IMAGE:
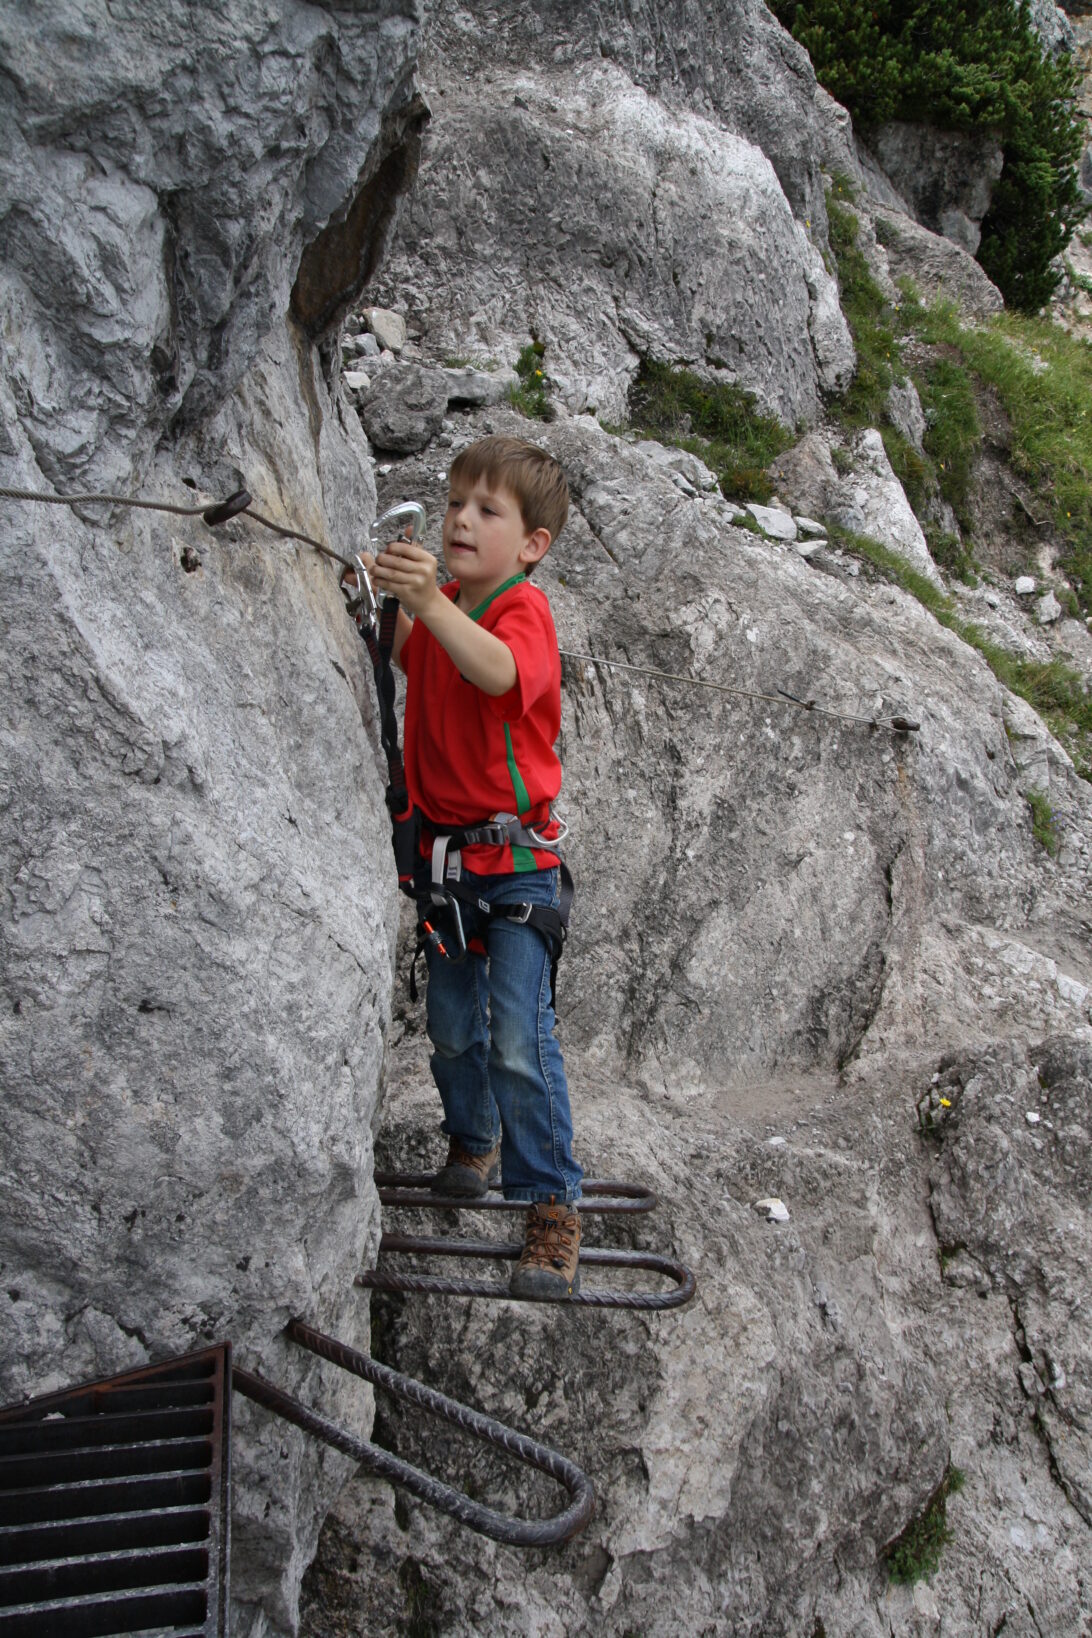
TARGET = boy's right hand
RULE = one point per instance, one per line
(407, 571)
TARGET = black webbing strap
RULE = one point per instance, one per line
(404, 826)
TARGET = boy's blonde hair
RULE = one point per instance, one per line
(527, 472)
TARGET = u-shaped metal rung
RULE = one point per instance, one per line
(514, 1532)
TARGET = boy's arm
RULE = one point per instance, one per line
(409, 572)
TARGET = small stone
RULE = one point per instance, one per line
(389, 329)
(1048, 610)
(773, 522)
(808, 526)
(773, 1209)
(1024, 585)
(356, 380)
(1033, 1117)
(369, 347)
(776, 1142)
(992, 600)
(807, 549)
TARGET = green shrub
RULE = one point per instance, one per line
(712, 419)
(531, 396)
(916, 1553)
(965, 65)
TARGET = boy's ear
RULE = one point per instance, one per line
(535, 547)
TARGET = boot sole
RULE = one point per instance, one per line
(543, 1287)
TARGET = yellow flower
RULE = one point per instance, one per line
(945, 1103)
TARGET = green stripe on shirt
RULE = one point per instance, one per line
(522, 857)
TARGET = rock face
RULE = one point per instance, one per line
(568, 200)
(195, 951)
(946, 177)
(816, 918)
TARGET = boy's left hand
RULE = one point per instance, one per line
(407, 572)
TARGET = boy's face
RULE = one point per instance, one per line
(486, 541)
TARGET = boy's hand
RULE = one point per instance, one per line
(407, 572)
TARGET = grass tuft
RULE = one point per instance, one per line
(1042, 821)
(717, 421)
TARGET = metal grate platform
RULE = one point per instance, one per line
(114, 1505)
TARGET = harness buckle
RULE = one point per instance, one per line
(555, 841)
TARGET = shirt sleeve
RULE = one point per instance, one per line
(526, 626)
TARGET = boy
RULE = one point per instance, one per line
(483, 710)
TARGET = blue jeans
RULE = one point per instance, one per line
(496, 1063)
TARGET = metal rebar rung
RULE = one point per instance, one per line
(597, 1196)
(590, 1257)
(499, 1526)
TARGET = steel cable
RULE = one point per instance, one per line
(214, 513)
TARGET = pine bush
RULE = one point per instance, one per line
(965, 65)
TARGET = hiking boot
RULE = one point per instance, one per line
(466, 1174)
(549, 1267)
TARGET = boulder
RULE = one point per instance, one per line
(947, 178)
(612, 227)
(468, 388)
(867, 499)
(389, 329)
(403, 409)
(937, 266)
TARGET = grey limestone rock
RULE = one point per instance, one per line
(389, 329)
(867, 499)
(905, 412)
(947, 178)
(404, 407)
(195, 952)
(1010, 1192)
(773, 522)
(784, 917)
(573, 204)
(468, 388)
(936, 265)
(1053, 27)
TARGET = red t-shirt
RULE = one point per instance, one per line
(470, 755)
